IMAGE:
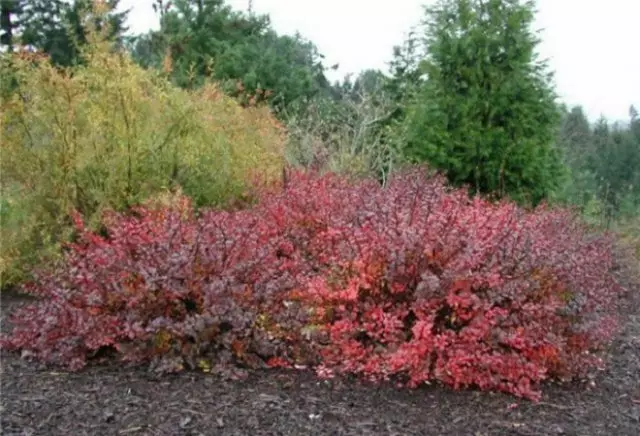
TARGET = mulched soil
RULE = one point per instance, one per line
(117, 401)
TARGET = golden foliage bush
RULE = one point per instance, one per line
(110, 134)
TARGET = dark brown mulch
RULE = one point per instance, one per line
(116, 401)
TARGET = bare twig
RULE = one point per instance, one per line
(130, 430)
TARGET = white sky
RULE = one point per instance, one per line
(591, 44)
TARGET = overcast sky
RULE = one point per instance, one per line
(590, 44)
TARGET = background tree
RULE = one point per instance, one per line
(486, 114)
(208, 39)
(9, 11)
(577, 145)
(604, 164)
(56, 27)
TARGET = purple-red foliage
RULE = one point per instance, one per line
(415, 281)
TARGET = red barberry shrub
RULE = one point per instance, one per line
(415, 282)
(162, 286)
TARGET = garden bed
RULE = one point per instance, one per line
(415, 283)
(105, 400)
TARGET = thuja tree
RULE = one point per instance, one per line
(485, 113)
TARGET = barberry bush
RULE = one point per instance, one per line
(415, 282)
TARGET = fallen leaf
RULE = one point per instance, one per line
(184, 422)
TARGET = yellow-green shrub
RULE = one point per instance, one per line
(109, 134)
